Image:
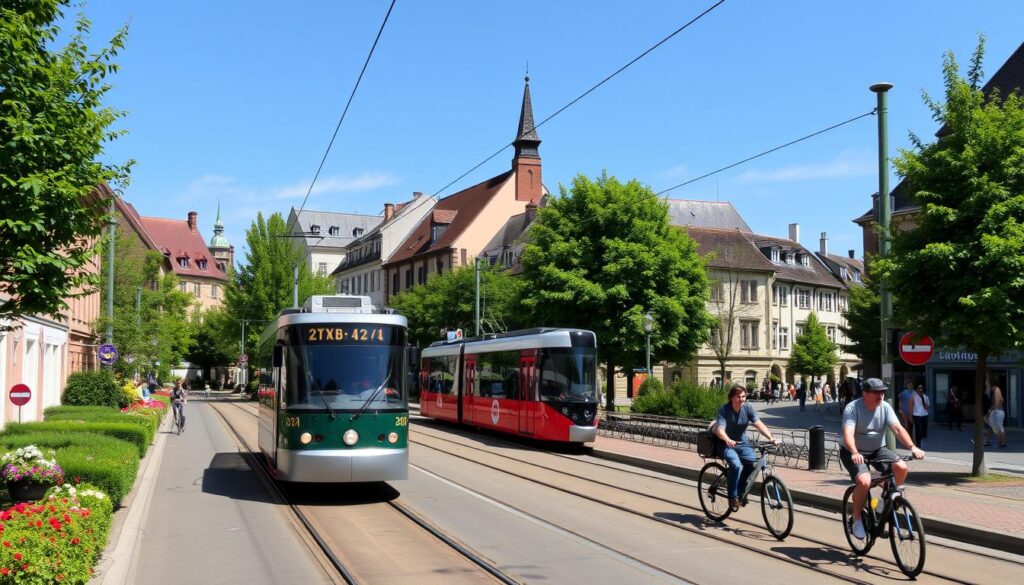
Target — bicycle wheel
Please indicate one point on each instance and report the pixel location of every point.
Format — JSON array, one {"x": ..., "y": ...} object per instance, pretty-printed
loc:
[
  {"x": 906, "y": 534},
  {"x": 860, "y": 546},
  {"x": 777, "y": 507},
  {"x": 713, "y": 489}
]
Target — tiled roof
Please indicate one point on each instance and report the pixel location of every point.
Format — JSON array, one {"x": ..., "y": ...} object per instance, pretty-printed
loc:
[
  {"x": 444, "y": 215},
  {"x": 815, "y": 273},
  {"x": 705, "y": 214},
  {"x": 174, "y": 236},
  {"x": 135, "y": 222},
  {"x": 467, "y": 203},
  {"x": 346, "y": 223},
  {"x": 835, "y": 262}
]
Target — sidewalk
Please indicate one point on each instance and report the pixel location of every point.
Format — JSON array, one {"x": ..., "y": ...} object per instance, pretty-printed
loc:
[{"x": 951, "y": 504}]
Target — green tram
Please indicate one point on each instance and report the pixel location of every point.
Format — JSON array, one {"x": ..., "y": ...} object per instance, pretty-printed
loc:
[{"x": 333, "y": 393}]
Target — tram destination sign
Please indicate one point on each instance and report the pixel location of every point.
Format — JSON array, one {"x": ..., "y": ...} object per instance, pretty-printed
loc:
[{"x": 916, "y": 349}]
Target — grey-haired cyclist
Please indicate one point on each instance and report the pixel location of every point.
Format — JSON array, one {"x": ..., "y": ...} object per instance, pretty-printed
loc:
[{"x": 865, "y": 421}]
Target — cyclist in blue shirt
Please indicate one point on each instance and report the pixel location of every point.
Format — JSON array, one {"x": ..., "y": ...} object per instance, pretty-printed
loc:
[{"x": 731, "y": 428}]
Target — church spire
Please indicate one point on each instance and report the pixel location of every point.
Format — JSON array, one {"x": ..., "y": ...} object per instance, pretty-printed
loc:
[{"x": 527, "y": 140}]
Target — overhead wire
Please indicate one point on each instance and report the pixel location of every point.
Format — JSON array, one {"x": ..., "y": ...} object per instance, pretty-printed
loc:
[{"x": 584, "y": 94}]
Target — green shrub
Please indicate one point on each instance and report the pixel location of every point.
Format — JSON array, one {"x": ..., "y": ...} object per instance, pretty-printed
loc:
[
  {"x": 131, "y": 432},
  {"x": 149, "y": 422},
  {"x": 109, "y": 463},
  {"x": 97, "y": 388},
  {"x": 649, "y": 385},
  {"x": 698, "y": 401},
  {"x": 656, "y": 401}
]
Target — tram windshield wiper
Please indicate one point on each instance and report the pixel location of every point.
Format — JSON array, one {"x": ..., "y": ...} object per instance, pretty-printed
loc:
[
  {"x": 372, "y": 396},
  {"x": 318, "y": 390}
]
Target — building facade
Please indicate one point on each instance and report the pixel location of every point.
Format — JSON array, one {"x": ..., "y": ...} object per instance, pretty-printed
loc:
[
  {"x": 324, "y": 236},
  {"x": 199, "y": 272}
]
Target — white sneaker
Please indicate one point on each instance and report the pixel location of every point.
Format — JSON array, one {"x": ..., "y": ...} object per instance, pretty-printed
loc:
[{"x": 858, "y": 530}]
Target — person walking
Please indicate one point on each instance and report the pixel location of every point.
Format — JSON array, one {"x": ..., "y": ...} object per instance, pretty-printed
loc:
[
  {"x": 906, "y": 407},
  {"x": 997, "y": 415},
  {"x": 801, "y": 395},
  {"x": 954, "y": 408},
  {"x": 919, "y": 409}
]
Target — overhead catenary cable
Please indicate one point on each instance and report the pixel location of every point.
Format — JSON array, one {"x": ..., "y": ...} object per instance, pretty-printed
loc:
[
  {"x": 769, "y": 151},
  {"x": 342, "y": 119},
  {"x": 585, "y": 94}
]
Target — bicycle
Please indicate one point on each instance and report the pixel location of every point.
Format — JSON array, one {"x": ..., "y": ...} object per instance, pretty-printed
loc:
[
  {"x": 179, "y": 416},
  {"x": 776, "y": 501},
  {"x": 906, "y": 533}
]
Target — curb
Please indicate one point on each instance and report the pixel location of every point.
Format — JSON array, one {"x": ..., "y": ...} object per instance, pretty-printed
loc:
[
  {"x": 119, "y": 564},
  {"x": 932, "y": 526}
]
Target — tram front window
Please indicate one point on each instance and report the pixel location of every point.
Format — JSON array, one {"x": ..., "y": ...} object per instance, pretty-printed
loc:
[
  {"x": 344, "y": 376},
  {"x": 568, "y": 375}
]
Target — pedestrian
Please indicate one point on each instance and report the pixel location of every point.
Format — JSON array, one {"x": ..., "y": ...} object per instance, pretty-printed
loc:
[
  {"x": 919, "y": 410},
  {"x": 206, "y": 388},
  {"x": 776, "y": 392},
  {"x": 954, "y": 408},
  {"x": 906, "y": 406},
  {"x": 791, "y": 390},
  {"x": 997, "y": 415},
  {"x": 801, "y": 394}
]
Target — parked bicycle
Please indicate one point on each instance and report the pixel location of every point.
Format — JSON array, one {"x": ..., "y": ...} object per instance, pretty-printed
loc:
[
  {"x": 776, "y": 501},
  {"x": 891, "y": 507}
]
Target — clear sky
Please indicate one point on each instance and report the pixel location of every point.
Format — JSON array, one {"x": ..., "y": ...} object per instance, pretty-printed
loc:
[{"x": 235, "y": 101}]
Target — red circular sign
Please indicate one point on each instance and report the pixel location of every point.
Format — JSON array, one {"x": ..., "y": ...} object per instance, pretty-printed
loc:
[
  {"x": 916, "y": 349},
  {"x": 20, "y": 394}
]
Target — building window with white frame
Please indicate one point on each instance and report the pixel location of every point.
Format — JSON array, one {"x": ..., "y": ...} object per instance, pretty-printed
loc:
[
  {"x": 803, "y": 298},
  {"x": 748, "y": 291},
  {"x": 749, "y": 334},
  {"x": 825, "y": 302},
  {"x": 716, "y": 291},
  {"x": 775, "y": 255},
  {"x": 783, "y": 296},
  {"x": 831, "y": 331},
  {"x": 784, "y": 338},
  {"x": 843, "y": 303},
  {"x": 799, "y": 329},
  {"x": 805, "y": 260}
]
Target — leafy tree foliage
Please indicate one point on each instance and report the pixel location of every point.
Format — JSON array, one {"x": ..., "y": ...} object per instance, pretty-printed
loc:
[
  {"x": 603, "y": 255},
  {"x": 262, "y": 286},
  {"x": 863, "y": 327},
  {"x": 53, "y": 128},
  {"x": 151, "y": 314},
  {"x": 447, "y": 301},
  {"x": 205, "y": 349},
  {"x": 813, "y": 352},
  {"x": 957, "y": 274}
]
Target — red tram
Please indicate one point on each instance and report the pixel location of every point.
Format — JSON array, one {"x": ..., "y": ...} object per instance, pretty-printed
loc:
[{"x": 539, "y": 383}]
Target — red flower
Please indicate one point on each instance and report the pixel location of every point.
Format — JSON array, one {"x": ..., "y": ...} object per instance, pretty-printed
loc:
[
  {"x": 17, "y": 556},
  {"x": 55, "y": 523},
  {"x": 76, "y": 540},
  {"x": 5, "y": 571},
  {"x": 24, "y": 567},
  {"x": 39, "y": 523},
  {"x": 7, "y": 543}
]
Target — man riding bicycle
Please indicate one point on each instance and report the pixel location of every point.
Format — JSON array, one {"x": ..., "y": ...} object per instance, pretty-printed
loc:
[
  {"x": 731, "y": 428},
  {"x": 864, "y": 423},
  {"x": 179, "y": 397}
]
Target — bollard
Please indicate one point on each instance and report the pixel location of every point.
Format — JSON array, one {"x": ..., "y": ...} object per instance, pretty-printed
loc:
[{"x": 816, "y": 447}]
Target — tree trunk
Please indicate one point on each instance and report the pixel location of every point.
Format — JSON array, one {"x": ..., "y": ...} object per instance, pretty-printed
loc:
[
  {"x": 630, "y": 392},
  {"x": 980, "y": 383},
  {"x": 610, "y": 380}
]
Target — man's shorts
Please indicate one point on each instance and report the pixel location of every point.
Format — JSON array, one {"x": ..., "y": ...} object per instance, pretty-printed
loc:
[
  {"x": 878, "y": 457},
  {"x": 995, "y": 420}
]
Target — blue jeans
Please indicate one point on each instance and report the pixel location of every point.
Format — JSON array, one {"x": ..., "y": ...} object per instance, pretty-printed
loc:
[{"x": 740, "y": 455}]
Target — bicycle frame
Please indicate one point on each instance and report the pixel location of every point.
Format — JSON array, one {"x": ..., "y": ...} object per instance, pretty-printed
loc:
[
  {"x": 888, "y": 513},
  {"x": 762, "y": 468}
]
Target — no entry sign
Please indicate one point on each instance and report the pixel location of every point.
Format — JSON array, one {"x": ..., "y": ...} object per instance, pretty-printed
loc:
[
  {"x": 20, "y": 394},
  {"x": 916, "y": 349}
]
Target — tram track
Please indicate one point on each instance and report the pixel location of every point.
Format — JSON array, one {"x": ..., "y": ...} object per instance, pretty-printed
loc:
[
  {"x": 799, "y": 537},
  {"x": 398, "y": 510}
]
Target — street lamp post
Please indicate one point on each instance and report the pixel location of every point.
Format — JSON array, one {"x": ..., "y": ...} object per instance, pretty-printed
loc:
[
  {"x": 648, "y": 326},
  {"x": 884, "y": 216}
]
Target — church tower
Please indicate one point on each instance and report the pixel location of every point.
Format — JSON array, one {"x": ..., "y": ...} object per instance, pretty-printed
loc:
[
  {"x": 526, "y": 162},
  {"x": 223, "y": 252}
]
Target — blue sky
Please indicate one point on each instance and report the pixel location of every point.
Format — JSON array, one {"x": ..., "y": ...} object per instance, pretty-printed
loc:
[{"x": 236, "y": 101}]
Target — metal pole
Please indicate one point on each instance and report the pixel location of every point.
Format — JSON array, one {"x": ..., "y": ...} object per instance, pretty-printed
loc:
[
  {"x": 648, "y": 355},
  {"x": 242, "y": 368},
  {"x": 295, "y": 286},
  {"x": 110, "y": 271},
  {"x": 884, "y": 217},
  {"x": 477, "y": 314}
]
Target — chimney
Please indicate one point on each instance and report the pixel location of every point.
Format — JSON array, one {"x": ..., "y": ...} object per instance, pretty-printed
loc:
[
  {"x": 794, "y": 232},
  {"x": 417, "y": 194},
  {"x": 531, "y": 212},
  {"x": 192, "y": 215},
  {"x": 823, "y": 242},
  {"x": 852, "y": 257},
  {"x": 874, "y": 206},
  {"x": 389, "y": 211}
]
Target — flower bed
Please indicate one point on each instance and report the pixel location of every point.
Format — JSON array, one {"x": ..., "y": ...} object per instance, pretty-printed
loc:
[
  {"x": 28, "y": 463},
  {"x": 57, "y": 540}
]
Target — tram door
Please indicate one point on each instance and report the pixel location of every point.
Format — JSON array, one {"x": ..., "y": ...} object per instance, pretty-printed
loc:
[
  {"x": 527, "y": 383},
  {"x": 466, "y": 396}
]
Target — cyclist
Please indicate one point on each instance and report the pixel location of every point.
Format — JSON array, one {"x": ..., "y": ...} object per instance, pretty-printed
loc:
[
  {"x": 179, "y": 397},
  {"x": 864, "y": 423},
  {"x": 731, "y": 428}
]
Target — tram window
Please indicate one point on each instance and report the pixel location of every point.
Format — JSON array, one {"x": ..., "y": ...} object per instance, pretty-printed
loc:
[
  {"x": 442, "y": 374},
  {"x": 568, "y": 374}
]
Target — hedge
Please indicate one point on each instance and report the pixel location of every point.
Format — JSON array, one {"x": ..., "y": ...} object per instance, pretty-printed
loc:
[
  {"x": 131, "y": 432},
  {"x": 102, "y": 414},
  {"x": 106, "y": 462},
  {"x": 92, "y": 388}
]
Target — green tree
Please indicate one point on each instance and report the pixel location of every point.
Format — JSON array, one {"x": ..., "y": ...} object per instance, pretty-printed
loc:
[
  {"x": 262, "y": 286},
  {"x": 813, "y": 353},
  {"x": 863, "y": 327},
  {"x": 956, "y": 275},
  {"x": 447, "y": 301},
  {"x": 602, "y": 255},
  {"x": 206, "y": 350},
  {"x": 53, "y": 130}
]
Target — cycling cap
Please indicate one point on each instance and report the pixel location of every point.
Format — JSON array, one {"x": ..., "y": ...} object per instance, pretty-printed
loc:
[{"x": 873, "y": 384}]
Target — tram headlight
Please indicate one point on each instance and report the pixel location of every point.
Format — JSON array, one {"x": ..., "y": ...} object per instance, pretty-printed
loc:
[
  {"x": 392, "y": 437},
  {"x": 305, "y": 438},
  {"x": 351, "y": 437}
]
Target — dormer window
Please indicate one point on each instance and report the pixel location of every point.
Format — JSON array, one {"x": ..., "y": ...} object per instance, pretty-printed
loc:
[
  {"x": 843, "y": 274},
  {"x": 805, "y": 260},
  {"x": 356, "y": 232},
  {"x": 436, "y": 231},
  {"x": 790, "y": 258},
  {"x": 775, "y": 255},
  {"x": 201, "y": 264},
  {"x": 183, "y": 261},
  {"x": 315, "y": 229},
  {"x": 334, "y": 230}
]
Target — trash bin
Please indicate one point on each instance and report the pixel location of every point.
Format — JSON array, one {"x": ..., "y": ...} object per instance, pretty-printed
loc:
[{"x": 816, "y": 447}]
